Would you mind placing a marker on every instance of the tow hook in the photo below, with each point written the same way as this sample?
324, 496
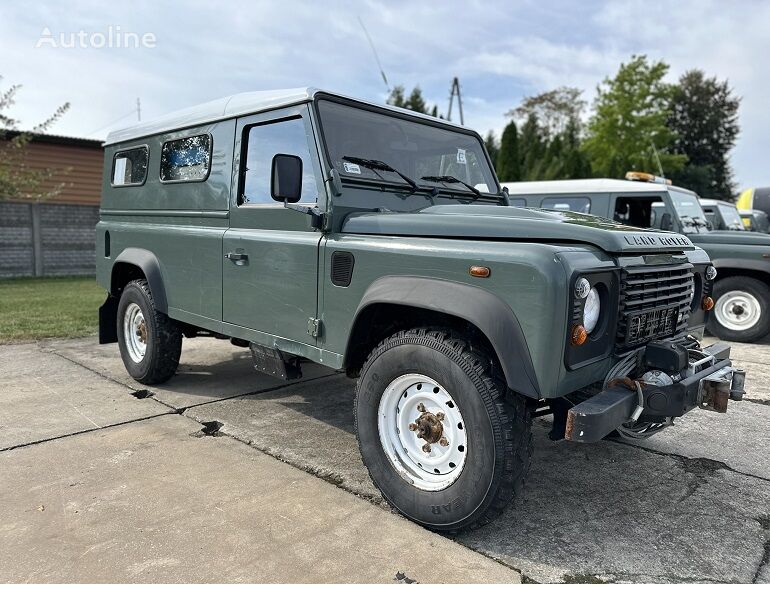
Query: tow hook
737, 389
720, 387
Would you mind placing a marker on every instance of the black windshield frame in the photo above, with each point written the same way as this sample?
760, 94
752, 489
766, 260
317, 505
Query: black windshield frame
494, 191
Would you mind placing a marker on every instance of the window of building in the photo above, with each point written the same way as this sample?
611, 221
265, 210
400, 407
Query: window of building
262, 143
129, 167
186, 160
577, 204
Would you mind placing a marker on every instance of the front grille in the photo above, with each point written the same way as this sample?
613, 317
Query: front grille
654, 303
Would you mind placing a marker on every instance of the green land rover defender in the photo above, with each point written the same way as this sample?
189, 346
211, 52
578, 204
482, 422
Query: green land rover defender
374, 240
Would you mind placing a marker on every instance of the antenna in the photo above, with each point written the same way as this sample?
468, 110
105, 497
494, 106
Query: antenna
657, 159
138, 110
376, 57
455, 91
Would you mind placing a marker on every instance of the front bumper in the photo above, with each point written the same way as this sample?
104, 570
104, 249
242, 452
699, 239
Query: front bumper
708, 382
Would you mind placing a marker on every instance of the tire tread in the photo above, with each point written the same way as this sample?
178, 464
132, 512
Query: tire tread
510, 416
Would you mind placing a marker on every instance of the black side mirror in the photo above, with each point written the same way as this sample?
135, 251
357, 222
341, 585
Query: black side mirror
665, 222
286, 180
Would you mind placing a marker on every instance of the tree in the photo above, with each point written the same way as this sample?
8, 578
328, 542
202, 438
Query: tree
574, 162
414, 102
493, 147
629, 123
549, 142
507, 162
704, 116
533, 145
17, 180
554, 110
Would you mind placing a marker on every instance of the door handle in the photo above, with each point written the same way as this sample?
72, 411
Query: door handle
236, 257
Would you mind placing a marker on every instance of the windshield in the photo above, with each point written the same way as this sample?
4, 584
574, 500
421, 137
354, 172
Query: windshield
731, 217
428, 154
689, 211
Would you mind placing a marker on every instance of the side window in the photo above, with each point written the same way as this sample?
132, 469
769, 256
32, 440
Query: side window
186, 160
639, 211
129, 167
262, 142
517, 202
577, 204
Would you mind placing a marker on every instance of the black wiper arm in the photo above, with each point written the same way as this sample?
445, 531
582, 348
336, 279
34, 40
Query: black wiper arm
380, 166
452, 180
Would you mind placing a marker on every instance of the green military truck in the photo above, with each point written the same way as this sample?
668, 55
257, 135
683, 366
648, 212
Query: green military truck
742, 258
310, 226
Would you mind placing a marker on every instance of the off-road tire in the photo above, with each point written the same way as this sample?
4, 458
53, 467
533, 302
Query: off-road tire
498, 426
164, 337
755, 287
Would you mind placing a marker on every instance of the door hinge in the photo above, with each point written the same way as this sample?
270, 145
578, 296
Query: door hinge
313, 326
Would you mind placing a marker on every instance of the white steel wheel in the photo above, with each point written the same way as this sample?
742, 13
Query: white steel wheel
135, 332
422, 432
737, 310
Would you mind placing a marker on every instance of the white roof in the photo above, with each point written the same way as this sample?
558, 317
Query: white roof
592, 185
713, 202
233, 106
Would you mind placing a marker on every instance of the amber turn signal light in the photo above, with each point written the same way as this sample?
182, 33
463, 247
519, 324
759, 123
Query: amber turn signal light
479, 271
579, 335
707, 304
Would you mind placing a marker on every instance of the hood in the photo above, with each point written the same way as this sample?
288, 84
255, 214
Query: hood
731, 238
517, 224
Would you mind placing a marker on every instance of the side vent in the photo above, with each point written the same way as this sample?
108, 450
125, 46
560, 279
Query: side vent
342, 268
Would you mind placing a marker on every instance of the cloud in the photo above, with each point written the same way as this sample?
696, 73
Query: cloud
500, 50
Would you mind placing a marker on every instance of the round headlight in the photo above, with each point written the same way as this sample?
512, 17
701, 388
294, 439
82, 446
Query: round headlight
711, 272
591, 310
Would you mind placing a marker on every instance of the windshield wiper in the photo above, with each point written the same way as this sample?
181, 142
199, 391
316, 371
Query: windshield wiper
689, 221
380, 166
452, 180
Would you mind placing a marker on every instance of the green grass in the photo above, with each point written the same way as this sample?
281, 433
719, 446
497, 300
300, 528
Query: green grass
34, 308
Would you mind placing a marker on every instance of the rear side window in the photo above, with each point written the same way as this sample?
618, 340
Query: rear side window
186, 160
577, 204
129, 167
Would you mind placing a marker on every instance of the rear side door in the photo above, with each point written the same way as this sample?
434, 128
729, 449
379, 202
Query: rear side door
270, 253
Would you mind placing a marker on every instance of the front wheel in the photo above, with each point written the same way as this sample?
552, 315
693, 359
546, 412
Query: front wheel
441, 442
741, 310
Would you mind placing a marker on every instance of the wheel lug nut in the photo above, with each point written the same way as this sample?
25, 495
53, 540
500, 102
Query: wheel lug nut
440, 416
443, 442
426, 448
421, 408
412, 427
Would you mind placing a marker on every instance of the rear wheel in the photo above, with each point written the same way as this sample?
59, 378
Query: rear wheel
741, 310
440, 441
150, 342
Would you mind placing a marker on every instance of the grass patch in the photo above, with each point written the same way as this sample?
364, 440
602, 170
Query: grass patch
34, 308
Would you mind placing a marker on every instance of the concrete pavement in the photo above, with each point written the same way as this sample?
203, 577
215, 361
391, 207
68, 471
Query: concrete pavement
129, 490
693, 505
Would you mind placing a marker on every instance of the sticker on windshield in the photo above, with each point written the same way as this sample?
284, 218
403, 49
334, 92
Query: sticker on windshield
461, 156
351, 168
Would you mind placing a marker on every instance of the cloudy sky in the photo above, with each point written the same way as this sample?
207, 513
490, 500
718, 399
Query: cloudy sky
500, 50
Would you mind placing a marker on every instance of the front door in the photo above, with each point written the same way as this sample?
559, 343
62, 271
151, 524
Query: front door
271, 253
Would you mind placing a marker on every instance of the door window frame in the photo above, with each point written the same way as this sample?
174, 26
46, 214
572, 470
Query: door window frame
244, 124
